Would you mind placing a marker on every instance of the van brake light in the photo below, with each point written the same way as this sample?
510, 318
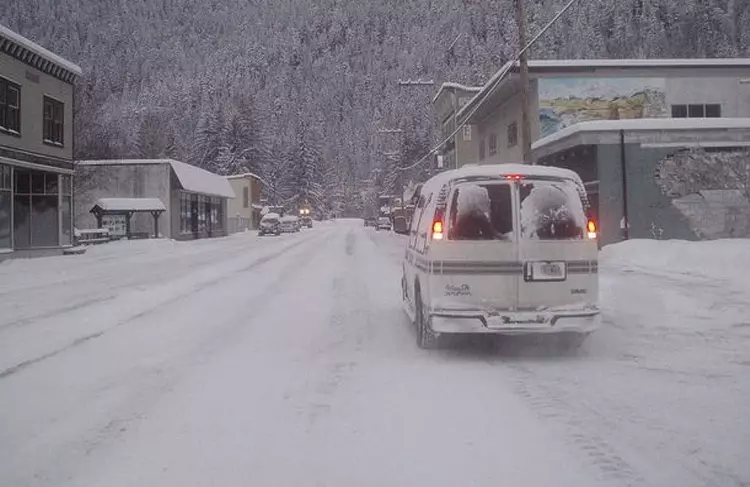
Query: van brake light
437, 230
591, 228
514, 177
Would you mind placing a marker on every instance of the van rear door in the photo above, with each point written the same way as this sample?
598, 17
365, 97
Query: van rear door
476, 266
559, 259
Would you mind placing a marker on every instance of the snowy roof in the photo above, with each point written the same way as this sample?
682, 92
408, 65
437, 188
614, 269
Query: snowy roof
191, 178
199, 180
455, 86
39, 50
130, 204
497, 170
643, 124
245, 175
588, 65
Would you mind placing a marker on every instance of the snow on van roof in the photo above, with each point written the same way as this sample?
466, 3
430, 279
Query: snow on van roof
499, 170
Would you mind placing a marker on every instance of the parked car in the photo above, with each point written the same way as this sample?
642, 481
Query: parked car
371, 221
306, 221
384, 223
505, 250
290, 224
270, 224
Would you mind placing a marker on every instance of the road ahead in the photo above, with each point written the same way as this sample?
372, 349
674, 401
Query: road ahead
288, 362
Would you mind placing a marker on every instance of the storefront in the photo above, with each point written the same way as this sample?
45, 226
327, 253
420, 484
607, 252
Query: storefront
201, 215
35, 209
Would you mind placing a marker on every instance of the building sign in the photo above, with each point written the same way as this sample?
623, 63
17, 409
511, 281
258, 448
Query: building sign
467, 133
567, 101
115, 223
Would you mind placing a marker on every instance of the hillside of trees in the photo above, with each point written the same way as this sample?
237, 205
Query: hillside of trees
296, 90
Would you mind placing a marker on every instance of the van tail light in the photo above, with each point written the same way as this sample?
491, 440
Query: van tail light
513, 177
437, 230
591, 229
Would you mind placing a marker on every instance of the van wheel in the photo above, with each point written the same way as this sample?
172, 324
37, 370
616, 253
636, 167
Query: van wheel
426, 338
571, 342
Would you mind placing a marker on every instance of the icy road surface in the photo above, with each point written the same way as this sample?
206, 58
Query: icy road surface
287, 361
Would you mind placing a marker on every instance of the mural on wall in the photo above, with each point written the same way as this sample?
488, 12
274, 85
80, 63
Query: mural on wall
566, 101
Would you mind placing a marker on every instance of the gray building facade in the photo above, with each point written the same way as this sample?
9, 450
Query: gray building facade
195, 199
36, 148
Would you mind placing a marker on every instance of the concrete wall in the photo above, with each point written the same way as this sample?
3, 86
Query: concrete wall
125, 181
32, 106
651, 213
725, 91
235, 205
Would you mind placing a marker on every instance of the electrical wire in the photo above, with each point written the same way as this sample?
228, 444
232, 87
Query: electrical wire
489, 89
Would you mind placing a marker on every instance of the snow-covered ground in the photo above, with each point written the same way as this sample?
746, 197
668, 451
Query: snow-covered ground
288, 361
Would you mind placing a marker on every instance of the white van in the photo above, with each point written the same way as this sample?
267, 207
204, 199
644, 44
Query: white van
502, 249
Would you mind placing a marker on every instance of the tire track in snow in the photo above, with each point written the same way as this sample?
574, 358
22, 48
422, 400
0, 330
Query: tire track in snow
150, 309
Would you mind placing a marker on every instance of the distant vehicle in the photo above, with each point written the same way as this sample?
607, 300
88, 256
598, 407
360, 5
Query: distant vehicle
306, 221
270, 225
383, 223
289, 224
371, 221
502, 249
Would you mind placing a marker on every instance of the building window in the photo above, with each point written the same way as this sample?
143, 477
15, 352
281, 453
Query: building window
10, 107
512, 134
481, 148
6, 183
708, 110
36, 205
696, 111
245, 197
713, 110
493, 144
679, 111
53, 121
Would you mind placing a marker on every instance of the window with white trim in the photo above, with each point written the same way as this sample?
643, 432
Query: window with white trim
54, 116
10, 107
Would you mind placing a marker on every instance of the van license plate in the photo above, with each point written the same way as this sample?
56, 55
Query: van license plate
545, 271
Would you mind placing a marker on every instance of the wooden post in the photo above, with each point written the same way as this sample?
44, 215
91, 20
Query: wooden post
524, 71
156, 223
127, 224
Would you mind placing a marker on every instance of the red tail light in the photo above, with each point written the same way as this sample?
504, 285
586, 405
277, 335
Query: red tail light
591, 229
437, 230
514, 177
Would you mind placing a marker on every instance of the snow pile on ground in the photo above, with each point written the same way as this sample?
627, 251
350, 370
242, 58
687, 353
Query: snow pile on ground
723, 260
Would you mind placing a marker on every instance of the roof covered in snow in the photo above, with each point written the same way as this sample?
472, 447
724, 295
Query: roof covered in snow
191, 178
130, 204
645, 124
245, 175
455, 86
498, 170
39, 51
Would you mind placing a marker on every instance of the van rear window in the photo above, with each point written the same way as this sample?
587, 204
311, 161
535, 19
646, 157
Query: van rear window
481, 212
551, 211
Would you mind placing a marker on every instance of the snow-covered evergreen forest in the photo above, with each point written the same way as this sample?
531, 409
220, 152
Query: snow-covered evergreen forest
296, 90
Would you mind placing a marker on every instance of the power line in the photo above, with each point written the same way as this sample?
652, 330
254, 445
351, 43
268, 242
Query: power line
498, 78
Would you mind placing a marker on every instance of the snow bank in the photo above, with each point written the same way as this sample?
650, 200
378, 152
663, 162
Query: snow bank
716, 259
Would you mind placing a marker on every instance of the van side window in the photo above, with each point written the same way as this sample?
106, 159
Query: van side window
551, 211
481, 212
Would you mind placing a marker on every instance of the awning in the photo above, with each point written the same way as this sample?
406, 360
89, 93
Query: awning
129, 204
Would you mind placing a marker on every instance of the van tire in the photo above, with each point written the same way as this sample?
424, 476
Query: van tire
571, 342
426, 338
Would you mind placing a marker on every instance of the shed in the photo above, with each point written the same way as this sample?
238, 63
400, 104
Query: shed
127, 207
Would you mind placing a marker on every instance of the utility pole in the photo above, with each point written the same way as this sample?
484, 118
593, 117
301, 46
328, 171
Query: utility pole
524, 68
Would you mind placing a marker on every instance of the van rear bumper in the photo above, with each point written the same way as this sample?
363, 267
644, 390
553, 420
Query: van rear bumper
515, 322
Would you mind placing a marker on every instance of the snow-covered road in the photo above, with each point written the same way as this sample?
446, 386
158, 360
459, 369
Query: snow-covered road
287, 361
